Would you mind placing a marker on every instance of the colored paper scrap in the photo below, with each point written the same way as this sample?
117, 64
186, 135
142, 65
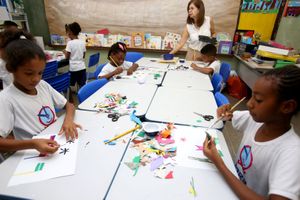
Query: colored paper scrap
156, 163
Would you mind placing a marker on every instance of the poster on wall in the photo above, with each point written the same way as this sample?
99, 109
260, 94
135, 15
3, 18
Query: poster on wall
261, 6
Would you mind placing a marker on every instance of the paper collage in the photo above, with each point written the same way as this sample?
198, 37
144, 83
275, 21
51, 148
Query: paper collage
117, 104
35, 167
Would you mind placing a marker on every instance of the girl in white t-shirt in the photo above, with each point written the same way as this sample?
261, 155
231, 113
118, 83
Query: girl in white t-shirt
117, 64
28, 105
75, 52
269, 155
197, 24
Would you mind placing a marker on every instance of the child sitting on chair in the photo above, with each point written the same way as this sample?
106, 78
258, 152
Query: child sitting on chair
117, 65
208, 55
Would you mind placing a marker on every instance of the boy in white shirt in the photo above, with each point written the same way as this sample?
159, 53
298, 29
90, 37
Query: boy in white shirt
117, 65
208, 55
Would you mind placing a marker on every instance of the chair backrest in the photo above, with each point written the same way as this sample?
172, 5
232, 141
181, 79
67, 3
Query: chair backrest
217, 81
133, 56
50, 69
90, 88
221, 99
60, 83
98, 70
94, 59
225, 71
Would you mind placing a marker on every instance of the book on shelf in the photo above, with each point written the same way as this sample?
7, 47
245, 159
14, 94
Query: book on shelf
138, 40
171, 40
273, 50
155, 42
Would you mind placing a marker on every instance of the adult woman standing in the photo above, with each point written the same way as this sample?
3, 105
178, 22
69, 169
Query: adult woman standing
197, 24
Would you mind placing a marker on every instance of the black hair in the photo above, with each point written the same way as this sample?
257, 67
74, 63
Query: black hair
74, 28
9, 24
19, 48
209, 50
116, 48
288, 83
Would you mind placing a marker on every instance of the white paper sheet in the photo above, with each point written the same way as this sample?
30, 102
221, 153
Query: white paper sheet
34, 168
189, 141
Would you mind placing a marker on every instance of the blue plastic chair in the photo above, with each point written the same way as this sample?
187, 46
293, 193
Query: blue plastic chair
98, 70
90, 88
225, 71
93, 60
60, 83
50, 69
217, 82
133, 56
221, 99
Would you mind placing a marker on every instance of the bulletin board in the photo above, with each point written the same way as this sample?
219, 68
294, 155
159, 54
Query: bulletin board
127, 16
260, 16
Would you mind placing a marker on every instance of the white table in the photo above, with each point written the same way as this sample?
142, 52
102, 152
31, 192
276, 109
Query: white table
152, 63
187, 79
143, 75
209, 184
140, 93
178, 106
95, 168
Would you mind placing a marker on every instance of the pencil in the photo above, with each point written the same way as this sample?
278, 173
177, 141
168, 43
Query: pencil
113, 61
219, 119
123, 134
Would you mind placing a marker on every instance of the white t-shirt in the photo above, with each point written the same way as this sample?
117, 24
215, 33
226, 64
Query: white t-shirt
76, 48
270, 167
108, 68
27, 115
215, 65
5, 76
194, 33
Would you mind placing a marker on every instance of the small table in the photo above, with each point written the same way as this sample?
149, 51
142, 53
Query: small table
96, 162
188, 79
140, 93
209, 183
178, 106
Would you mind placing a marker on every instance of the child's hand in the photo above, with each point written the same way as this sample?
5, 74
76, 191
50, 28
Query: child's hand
211, 152
118, 70
194, 66
224, 111
70, 130
129, 71
45, 145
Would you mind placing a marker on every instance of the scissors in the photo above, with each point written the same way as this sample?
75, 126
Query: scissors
115, 116
206, 117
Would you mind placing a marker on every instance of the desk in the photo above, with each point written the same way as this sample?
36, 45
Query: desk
152, 63
178, 106
248, 71
95, 168
187, 79
209, 184
144, 75
140, 93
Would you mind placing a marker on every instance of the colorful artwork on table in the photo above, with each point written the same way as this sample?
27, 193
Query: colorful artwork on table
35, 167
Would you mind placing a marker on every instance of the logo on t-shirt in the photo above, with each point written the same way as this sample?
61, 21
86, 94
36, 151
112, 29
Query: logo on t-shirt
46, 116
244, 162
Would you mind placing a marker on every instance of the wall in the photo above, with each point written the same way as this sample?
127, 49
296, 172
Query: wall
288, 32
37, 21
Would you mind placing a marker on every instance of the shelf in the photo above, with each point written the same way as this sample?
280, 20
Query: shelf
162, 51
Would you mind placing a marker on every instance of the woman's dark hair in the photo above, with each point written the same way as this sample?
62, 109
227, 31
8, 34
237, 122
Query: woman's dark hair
288, 83
201, 16
74, 28
116, 48
19, 47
